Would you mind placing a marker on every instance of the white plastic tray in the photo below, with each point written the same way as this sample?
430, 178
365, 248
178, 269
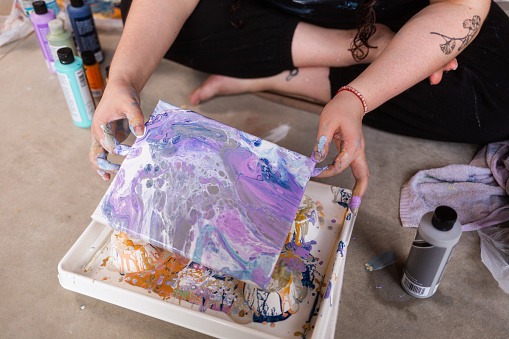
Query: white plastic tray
92, 248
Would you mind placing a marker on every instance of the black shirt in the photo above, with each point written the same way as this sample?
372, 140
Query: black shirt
342, 14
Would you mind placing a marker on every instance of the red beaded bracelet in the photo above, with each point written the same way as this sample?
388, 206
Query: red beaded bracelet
357, 93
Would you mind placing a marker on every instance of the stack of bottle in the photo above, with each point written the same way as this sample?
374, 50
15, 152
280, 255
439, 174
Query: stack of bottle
80, 77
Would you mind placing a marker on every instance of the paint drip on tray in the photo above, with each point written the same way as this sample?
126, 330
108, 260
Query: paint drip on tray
176, 278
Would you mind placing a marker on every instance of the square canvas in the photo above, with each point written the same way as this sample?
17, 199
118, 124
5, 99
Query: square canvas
209, 192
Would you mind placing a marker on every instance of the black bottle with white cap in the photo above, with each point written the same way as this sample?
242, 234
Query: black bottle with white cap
437, 236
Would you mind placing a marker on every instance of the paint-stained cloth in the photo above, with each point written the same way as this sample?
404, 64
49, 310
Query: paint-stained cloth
478, 191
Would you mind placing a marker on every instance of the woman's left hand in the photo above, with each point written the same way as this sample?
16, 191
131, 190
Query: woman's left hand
341, 122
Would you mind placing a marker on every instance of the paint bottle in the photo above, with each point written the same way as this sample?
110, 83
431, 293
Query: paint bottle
51, 4
75, 87
437, 235
83, 25
58, 38
40, 19
93, 72
107, 73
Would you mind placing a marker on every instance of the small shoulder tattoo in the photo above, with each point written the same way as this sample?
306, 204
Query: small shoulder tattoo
450, 43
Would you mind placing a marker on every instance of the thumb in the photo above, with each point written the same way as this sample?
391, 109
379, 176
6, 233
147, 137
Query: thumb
322, 146
136, 121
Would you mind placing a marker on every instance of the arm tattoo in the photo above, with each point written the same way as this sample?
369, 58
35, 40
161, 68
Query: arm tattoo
292, 73
450, 43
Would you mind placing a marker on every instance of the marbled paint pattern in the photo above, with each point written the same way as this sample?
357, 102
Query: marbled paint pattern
295, 276
215, 195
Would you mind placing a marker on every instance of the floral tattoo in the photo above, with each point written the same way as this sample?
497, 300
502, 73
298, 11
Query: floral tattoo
450, 43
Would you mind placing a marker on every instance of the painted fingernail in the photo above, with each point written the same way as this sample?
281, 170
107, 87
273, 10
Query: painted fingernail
355, 203
138, 131
321, 143
122, 150
319, 154
318, 171
107, 166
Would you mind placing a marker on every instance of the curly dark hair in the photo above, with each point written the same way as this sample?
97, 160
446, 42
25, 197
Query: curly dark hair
236, 22
365, 29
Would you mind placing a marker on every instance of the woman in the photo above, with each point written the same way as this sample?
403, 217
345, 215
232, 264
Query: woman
294, 48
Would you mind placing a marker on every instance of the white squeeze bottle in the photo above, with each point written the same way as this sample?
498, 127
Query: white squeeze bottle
437, 235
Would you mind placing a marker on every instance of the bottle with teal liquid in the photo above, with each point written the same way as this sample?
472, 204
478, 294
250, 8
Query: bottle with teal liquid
71, 75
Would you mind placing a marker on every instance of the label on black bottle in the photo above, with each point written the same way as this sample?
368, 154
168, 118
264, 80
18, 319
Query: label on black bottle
422, 266
86, 34
414, 288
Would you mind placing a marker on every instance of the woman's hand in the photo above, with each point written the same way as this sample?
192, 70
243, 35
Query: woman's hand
137, 55
436, 77
117, 113
341, 122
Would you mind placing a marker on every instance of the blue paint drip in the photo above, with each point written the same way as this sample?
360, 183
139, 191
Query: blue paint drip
341, 247
342, 204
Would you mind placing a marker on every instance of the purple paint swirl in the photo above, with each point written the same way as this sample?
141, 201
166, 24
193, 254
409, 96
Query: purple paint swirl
211, 193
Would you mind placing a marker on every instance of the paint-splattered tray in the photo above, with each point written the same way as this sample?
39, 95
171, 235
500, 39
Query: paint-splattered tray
82, 270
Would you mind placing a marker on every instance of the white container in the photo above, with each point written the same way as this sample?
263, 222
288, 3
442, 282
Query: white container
80, 270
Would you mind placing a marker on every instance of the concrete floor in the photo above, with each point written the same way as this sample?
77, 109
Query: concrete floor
48, 191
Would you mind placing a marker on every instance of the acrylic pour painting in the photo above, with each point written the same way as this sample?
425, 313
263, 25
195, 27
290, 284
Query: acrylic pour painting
209, 192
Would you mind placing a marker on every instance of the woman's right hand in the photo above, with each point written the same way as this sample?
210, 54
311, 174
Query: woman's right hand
118, 112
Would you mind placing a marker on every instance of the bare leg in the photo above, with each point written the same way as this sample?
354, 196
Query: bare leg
310, 83
314, 50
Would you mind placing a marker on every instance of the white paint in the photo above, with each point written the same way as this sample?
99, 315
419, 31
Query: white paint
278, 133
